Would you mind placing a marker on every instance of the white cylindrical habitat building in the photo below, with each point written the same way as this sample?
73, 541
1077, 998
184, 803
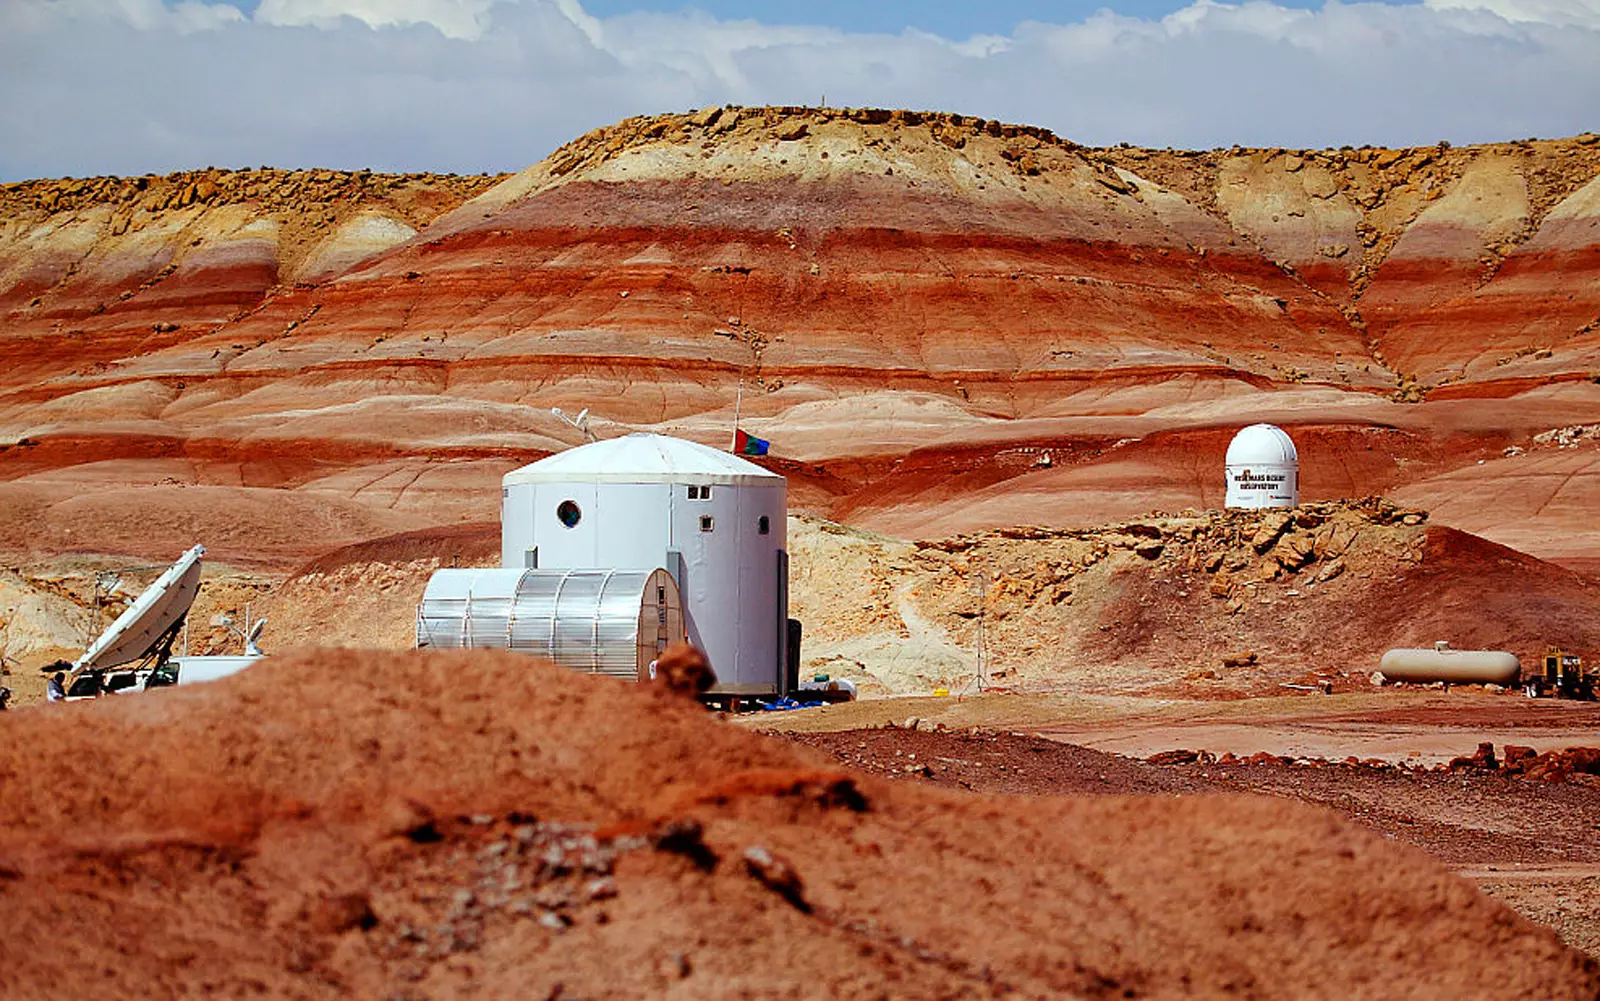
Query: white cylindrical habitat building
1263, 468
716, 522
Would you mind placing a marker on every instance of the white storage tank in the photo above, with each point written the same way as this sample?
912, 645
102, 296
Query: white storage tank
716, 522
611, 622
1263, 468
1459, 667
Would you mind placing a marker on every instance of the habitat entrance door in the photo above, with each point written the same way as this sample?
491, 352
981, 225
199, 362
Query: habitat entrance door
660, 619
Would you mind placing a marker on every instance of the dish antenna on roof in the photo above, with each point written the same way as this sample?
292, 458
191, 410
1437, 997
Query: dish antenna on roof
581, 422
251, 633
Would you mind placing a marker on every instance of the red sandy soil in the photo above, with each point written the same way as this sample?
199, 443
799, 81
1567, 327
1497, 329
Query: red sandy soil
1531, 844
924, 308
475, 545
430, 825
1461, 818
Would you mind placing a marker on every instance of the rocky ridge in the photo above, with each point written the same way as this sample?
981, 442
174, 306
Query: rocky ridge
307, 204
270, 189
1390, 187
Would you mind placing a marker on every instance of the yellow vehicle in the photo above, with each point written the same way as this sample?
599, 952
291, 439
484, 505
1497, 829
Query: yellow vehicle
1564, 676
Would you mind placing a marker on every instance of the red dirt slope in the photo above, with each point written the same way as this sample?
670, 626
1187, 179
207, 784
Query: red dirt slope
434, 826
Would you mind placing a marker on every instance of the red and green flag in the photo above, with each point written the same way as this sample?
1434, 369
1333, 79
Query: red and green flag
749, 444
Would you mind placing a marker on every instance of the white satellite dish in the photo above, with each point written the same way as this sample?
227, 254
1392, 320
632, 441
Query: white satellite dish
252, 646
150, 621
581, 422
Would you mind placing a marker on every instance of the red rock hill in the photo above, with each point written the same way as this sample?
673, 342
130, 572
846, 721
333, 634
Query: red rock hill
911, 299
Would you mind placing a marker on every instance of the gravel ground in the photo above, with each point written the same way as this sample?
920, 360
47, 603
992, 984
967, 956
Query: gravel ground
1501, 831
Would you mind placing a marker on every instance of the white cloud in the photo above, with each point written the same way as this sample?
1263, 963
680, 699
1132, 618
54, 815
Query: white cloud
453, 18
145, 15
137, 85
1576, 13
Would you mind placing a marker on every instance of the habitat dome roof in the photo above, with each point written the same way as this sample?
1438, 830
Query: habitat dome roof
642, 458
1262, 445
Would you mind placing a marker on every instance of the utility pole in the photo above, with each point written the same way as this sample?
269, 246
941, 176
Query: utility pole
978, 587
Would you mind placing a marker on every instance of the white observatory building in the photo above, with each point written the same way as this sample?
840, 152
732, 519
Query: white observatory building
716, 523
1263, 468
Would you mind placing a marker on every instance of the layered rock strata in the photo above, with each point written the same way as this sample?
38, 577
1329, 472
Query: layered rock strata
922, 308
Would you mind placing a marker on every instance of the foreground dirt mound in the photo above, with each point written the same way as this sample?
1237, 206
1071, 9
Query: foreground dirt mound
426, 826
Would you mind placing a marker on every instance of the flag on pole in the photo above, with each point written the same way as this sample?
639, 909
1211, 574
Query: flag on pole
748, 444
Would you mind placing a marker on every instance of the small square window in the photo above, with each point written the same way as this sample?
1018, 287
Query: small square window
705, 523
763, 525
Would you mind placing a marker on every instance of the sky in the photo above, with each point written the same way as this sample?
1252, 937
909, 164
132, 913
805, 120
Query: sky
149, 86
949, 18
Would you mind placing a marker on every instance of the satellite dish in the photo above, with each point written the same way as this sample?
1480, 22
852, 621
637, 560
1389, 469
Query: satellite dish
252, 648
149, 620
581, 422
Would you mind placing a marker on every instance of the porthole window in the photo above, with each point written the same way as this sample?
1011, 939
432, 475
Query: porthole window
705, 523
569, 513
763, 525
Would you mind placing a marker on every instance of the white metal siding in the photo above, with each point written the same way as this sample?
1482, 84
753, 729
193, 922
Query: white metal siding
729, 582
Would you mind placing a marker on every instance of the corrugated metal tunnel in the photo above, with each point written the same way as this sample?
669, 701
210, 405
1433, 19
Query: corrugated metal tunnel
610, 622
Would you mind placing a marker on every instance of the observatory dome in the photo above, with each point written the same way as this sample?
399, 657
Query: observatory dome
1263, 468
1262, 445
